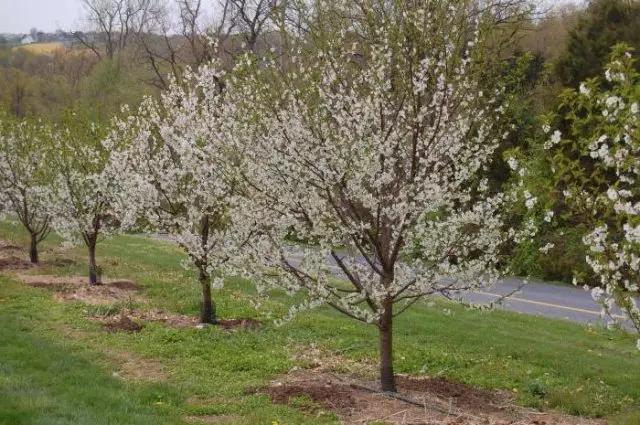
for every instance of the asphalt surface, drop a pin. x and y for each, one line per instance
(553, 300)
(536, 298)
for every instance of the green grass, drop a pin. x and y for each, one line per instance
(55, 366)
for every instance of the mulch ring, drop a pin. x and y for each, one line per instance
(12, 257)
(122, 324)
(76, 288)
(60, 262)
(177, 321)
(14, 263)
(419, 401)
(244, 324)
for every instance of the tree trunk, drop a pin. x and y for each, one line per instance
(93, 272)
(33, 249)
(207, 306)
(387, 379)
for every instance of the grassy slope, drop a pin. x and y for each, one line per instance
(53, 368)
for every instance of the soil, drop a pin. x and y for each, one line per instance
(461, 394)
(238, 324)
(123, 324)
(13, 257)
(433, 401)
(323, 360)
(76, 288)
(60, 262)
(132, 367)
(178, 321)
(211, 419)
(14, 263)
(7, 246)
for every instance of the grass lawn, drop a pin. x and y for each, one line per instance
(59, 367)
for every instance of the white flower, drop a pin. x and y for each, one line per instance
(555, 139)
(548, 216)
(513, 163)
(613, 101)
(612, 194)
(584, 90)
(545, 249)
(530, 200)
(634, 108)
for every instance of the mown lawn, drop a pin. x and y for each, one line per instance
(59, 367)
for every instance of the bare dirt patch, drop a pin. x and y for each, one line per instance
(12, 257)
(212, 419)
(323, 360)
(243, 324)
(135, 368)
(460, 394)
(423, 401)
(14, 263)
(60, 262)
(76, 288)
(122, 324)
(177, 321)
(8, 246)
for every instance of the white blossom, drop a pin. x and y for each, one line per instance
(584, 89)
(179, 169)
(548, 216)
(374, 173)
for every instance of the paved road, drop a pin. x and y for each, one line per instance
(536, 298)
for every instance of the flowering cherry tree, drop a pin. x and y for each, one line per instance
(23, 172)
(373, 148)
(83, 197)
(179, 171)
(594, 151)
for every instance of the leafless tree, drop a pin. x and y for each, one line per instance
(112, 24)
(181, 34)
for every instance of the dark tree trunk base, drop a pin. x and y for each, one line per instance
(33, 250)
(387, 378)
(207, 306)
(93, 269)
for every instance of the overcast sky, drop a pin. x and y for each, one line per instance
(19, 16)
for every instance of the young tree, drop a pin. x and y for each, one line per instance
(179, 171)
(24, 171)
(594, 152)
(373, 148)
(113, 24)
(83, 198)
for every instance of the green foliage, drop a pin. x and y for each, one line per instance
(109, 85)
(572, 170)
(603, 24)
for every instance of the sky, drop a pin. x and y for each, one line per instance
(19, 16)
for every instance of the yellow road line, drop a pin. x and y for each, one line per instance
(562, 307)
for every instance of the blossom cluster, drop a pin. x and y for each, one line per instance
(23, 171)
(178, 167)
(374, 152)
(607, 128)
